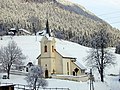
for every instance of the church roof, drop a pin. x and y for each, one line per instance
(63, 50)
(49, 38)
(65, 54)
(66, 51)
(79, 65)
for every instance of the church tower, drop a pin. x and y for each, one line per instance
(47, 57)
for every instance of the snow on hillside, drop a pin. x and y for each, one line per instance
(75, 7)
(30, 46)
(65, 2)
(116, 68)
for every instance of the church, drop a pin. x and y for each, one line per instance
(54, 61)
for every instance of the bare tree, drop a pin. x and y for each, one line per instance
(99, 56)
(9, 55)
(35, 78)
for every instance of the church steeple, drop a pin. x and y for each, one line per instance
(47, 28)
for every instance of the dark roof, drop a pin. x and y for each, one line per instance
(3, 85)
(38, 56)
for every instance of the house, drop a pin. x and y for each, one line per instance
(57, 62)
(23, 32)
(14, 31)
(28, 66)
(7, 87)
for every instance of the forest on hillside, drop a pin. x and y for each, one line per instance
(64, 22)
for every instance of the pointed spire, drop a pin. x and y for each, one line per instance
(47, 28)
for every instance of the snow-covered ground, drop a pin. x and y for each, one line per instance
(30, 46)
(56, 83)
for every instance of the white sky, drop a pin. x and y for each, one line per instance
(108, 10)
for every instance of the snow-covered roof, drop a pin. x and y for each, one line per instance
(50, 38)
(13, 29)
(68, 49)
(10, 32)
(42, 33)
(63, 53)
(24, 30)
(79, 65)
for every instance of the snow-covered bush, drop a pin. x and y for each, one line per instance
(35, 78)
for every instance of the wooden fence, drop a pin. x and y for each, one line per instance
(26, 87)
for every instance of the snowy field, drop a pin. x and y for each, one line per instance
(56, 83)
(111, 83)
(30, 46)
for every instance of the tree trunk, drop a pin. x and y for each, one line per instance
(34, 85)
(102, 59)
(101, 75)
(8, 73)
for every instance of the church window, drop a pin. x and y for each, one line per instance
(45, 65)
(45, 49)
(68, 68)
(52, 48)
(53, 71)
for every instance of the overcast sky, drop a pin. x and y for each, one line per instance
(108, 10)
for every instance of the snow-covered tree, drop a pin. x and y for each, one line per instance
(35, 78)
(59, 15)
(99, 56)
(117, 50)
(9, 55)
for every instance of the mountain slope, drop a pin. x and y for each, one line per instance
(78, 9)
(67, 20)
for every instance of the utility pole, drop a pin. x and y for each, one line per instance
(119, 75)
(91, 80)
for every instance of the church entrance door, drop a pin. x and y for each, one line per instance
(46, 73)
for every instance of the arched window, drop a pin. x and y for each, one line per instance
(45, 49)
(52, 48)
(68, 68)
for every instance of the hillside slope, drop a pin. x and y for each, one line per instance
(67, 20)
(30, 44)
